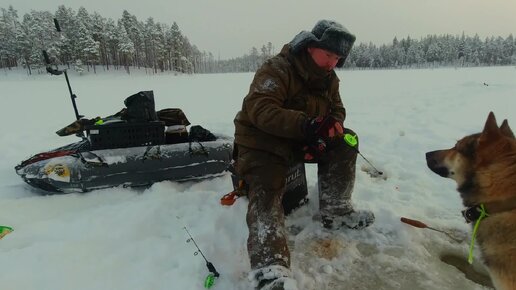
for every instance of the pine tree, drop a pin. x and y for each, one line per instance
(8, 46)
(175, 43)
(125, 47)
(186, 63)
(68, 36)
(134, 31)
(88, 49)
(151, 42)
(99, 35)
(112, 41)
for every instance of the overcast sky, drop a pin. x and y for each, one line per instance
(230, 28)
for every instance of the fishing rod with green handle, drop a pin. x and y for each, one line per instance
(210, 279)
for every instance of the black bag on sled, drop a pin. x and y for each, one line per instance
(140, 107)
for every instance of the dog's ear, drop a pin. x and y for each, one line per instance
(491, 131)
(506, 130)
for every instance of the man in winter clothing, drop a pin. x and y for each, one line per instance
(293, 113)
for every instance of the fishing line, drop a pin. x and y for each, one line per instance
(352, 141)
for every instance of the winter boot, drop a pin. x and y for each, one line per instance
(273, 277)
(336, 176)
(355, 219)
(283, 283)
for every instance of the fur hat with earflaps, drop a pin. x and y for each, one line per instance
(326, 34)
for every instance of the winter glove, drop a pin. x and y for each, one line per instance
(318, 131)
(323, 128)
(314, 150)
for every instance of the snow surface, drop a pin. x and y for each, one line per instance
(134, 238)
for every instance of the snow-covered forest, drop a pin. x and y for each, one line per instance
(89, 40)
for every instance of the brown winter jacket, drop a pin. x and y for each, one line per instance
(286, 91)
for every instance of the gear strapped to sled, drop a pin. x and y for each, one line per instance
(135, 147)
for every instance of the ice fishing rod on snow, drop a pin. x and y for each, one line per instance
(352, 141)
(56, 72)
(422, 225)
(209, 281)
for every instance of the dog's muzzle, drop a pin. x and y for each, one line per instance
(435, 166)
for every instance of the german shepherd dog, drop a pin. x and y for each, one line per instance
(484, 167)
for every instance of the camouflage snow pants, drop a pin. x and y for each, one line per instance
(265, 174)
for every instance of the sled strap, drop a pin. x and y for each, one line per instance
(201, 151)
(148, 155)
(100, 162)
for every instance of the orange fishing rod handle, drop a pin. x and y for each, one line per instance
(413, 223)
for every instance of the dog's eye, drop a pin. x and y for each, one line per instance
(466, 148)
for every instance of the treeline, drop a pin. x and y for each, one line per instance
(433, 50)
(87, 41)
(430, 51)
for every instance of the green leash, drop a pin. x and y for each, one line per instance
(483, 214)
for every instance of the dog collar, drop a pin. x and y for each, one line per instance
(472, 214)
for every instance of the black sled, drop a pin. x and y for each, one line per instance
(135, 147)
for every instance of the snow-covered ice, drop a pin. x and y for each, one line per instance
(123, 238)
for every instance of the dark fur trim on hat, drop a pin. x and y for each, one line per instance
(326, 34)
